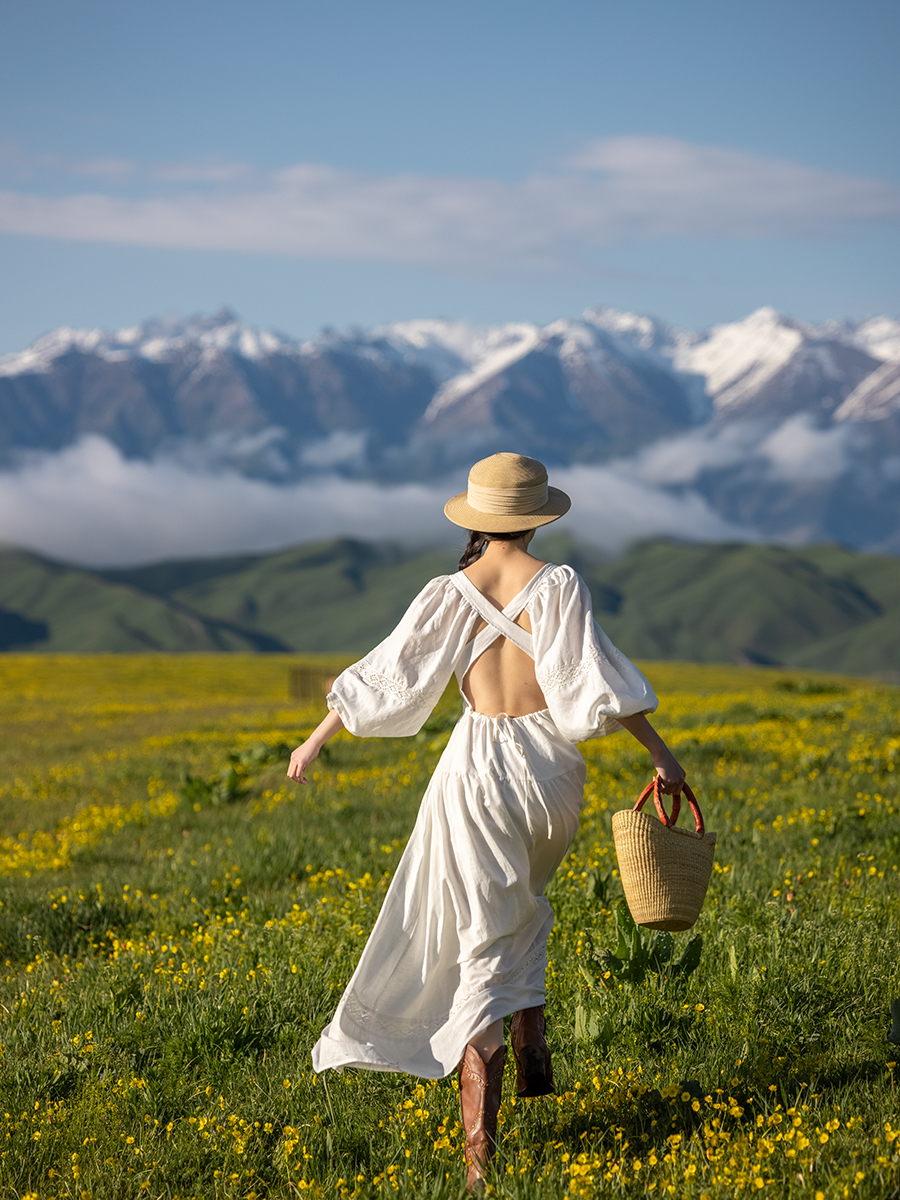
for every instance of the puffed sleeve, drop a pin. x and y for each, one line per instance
(391, 691)
(586, 681)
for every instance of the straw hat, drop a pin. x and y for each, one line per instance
(507, 492)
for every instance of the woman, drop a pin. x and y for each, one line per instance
(461, 941)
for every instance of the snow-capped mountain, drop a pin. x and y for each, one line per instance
(766, 364)
(791, 427)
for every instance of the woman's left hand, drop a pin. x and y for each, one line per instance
(670, 772)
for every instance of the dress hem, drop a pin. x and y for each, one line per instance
(344, 1051)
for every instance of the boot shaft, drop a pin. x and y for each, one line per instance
(480, 1088)
(534, 1070)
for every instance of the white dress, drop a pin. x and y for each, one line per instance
(461, 939)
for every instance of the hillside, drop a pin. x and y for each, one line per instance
(342, 595)
(823, 607)
(45, 605)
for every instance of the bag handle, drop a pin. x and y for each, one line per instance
(653, 786)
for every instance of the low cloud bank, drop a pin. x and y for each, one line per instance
(796, 451)
(89, 505)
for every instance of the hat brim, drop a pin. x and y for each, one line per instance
(460, 512)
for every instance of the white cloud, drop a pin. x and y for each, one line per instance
(668, 186)
(613, 507)
(798, 451)
(88, 504)
(681, 460)
(614, 189)
(342, 447)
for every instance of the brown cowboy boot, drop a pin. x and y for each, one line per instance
(534, 1071)
(480, 1085)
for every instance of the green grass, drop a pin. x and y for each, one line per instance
(165, 980)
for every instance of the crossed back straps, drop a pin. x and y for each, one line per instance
(499, 624)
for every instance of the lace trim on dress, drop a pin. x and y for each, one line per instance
(387, 1025)
(384, 683)
(403, 1027)
(569, 673)
(505, 978)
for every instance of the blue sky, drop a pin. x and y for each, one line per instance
(356, 163)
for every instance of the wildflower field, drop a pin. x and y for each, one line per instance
(177, 923)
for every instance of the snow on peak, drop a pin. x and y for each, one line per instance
(157, 340)
(739, 358)
(221, 332)
(765, 316)
(442, 347)
(880, 337)
(40, 356)
(498, 348)
(877, 397)
(734, 361)
(634, 329)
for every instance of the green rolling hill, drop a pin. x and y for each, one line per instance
(819, 607)
(340, 596)
(822, 607)
(49, 606)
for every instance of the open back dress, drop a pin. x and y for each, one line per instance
(461, 939)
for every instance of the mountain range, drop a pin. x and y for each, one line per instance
(823, 607)
(789, 431)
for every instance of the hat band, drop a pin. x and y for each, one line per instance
(507, 502)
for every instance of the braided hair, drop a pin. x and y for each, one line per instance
(477, 542)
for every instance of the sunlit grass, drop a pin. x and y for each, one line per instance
(173, 949)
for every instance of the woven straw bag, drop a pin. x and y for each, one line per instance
(665, 870)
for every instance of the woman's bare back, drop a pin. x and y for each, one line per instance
(502, 679)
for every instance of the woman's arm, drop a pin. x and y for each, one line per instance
(669, 770)
(305, 755)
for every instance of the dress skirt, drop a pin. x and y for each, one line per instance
(461, 939)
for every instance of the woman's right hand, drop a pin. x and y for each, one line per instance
(306, 754)
(301, 760)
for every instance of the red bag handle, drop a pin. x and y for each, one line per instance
(653, 786)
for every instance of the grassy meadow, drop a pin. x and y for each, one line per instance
(177, 923)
